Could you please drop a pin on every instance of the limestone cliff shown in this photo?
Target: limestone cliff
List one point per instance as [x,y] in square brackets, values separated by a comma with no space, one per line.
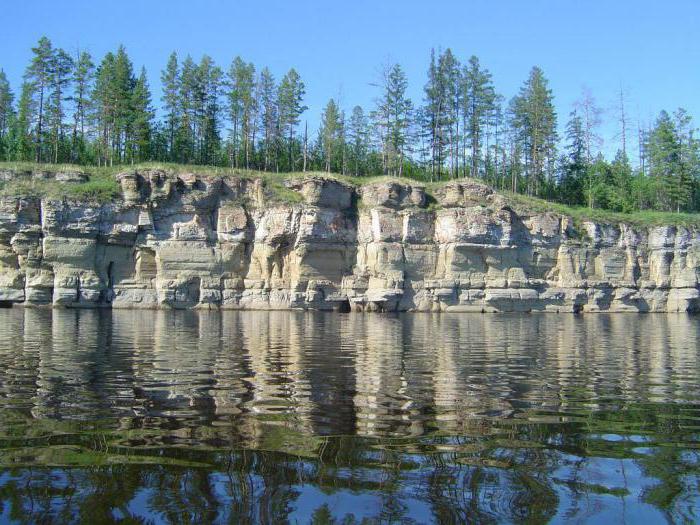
[188,240]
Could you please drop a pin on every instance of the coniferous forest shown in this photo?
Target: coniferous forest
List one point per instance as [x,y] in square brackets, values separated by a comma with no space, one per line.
[84,110]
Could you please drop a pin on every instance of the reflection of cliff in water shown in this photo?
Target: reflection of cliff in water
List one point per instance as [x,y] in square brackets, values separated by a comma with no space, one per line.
[252,415]
[330,374]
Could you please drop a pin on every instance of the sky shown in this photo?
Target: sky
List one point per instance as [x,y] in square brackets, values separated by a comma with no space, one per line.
[650,49]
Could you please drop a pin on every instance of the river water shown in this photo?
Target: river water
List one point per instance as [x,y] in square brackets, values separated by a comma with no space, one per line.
[279,417]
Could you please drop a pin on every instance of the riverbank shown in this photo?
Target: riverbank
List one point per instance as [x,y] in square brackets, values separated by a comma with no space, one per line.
[166,237]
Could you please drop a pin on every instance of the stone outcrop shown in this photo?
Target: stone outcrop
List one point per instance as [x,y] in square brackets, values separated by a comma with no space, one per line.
[195,241]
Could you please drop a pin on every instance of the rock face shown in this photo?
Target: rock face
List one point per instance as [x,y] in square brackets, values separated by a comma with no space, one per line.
[192,241]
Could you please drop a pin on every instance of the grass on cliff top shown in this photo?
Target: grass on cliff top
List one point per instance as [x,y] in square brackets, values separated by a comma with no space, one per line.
[102,186]
[580,214]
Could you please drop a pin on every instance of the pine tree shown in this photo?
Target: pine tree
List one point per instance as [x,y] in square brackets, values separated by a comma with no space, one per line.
[38,76]
[83,78]
[113,105]
[242,108]
[479,104]
[104,106]
[535,122]
[269,117]
[186,141]
[451,77]
[290,100]
[436,114]
[60,79]
[7,114]
[140,127]
[123,86]
[207,85]
[170,79]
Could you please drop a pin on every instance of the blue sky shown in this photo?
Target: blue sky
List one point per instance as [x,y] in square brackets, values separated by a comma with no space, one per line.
[651,48]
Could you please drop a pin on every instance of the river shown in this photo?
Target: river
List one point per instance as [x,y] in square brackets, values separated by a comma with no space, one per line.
[294,417]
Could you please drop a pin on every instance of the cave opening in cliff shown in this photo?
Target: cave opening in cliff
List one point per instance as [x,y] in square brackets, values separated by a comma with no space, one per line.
[343,307]
[6,304]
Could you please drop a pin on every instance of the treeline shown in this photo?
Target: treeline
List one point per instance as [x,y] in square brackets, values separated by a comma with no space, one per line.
[72,110]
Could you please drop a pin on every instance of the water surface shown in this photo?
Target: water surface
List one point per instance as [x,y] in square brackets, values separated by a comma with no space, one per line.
[278,417]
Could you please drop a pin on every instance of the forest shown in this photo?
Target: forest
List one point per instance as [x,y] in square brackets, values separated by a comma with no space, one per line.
[72,108]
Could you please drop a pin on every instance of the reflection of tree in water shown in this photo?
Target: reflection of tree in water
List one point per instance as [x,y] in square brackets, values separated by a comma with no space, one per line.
[471,479]
[201,417]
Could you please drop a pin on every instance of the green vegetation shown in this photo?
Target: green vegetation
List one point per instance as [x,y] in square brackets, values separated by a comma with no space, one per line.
[73,110]
[599,215]
[102,186]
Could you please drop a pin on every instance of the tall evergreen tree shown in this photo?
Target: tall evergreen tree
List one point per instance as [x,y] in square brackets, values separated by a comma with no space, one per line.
[141,117]
[242,107]
[291,106]
[207,85]
[574,165]
[435,117]
[22,147]
[392,118]
[673,159]
[330,135]
[269,117]
[113,102]
[186,135]
[61,77]
[83,78]
[6,115]
[38,77]
[451,77]
[170,80]
[535,121]
[359,138]
[479,104]
[664,156]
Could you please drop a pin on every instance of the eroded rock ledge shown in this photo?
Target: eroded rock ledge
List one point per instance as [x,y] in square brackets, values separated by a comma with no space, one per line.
[194,241]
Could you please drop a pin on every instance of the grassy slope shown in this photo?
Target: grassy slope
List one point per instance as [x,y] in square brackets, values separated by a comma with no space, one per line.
[102,186]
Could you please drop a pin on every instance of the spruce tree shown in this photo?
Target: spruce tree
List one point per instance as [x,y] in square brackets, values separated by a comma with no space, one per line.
[574,166]
[393,119]
[21,142]
[359,138]
[330,135]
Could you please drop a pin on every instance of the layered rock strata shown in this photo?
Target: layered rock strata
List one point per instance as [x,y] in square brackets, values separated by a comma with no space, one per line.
[195,241]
